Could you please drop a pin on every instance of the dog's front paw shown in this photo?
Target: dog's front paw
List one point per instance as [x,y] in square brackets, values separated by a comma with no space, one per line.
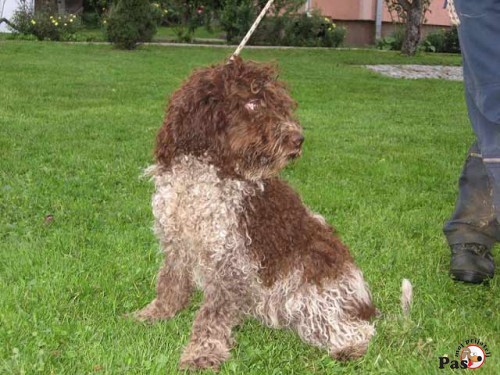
[197,357]
[200,363]
[151,313]
[349,353]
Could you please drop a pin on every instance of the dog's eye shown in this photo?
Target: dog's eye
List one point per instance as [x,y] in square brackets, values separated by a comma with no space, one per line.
[252,105]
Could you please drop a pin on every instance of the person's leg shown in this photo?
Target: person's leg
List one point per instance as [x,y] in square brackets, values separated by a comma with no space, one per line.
[479,34]
[474,219]
[471,232]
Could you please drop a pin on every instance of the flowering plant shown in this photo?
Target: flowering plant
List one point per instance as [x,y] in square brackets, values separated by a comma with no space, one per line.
[45,24]
[53,26]
[160,12]
[333,36]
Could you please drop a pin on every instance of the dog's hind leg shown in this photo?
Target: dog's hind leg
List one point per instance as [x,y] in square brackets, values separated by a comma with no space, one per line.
[345,337]
[173,291]
[336,316]
[211,338]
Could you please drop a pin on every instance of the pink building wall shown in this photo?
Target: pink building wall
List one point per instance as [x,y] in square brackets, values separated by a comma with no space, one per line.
[351,10]
[359,17]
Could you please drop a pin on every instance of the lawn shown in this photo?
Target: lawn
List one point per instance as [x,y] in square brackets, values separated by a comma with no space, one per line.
[77,125]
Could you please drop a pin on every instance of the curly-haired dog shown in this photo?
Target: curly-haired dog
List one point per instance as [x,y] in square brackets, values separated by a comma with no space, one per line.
[231,227]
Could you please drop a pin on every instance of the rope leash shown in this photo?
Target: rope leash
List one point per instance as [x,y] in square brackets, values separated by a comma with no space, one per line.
[251,31]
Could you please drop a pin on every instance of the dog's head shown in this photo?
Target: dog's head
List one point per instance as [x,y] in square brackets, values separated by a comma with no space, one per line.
[238,116]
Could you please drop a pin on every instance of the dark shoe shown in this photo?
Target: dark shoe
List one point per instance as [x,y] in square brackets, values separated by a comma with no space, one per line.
[471,263]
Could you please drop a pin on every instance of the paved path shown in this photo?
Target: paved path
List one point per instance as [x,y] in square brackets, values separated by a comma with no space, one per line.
[452,73]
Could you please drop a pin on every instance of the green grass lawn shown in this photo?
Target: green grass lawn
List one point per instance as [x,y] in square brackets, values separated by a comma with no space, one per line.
[77,126]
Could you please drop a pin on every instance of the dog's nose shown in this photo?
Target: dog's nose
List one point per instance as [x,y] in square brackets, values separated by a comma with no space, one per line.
[297,140]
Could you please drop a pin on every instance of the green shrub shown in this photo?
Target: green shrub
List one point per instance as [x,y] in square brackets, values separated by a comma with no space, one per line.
[334,36]
[94,12]
[433,42]
[271,32]
[394,41]
[444,40]
[91,19]
[160,12]
[236,18]
[187,15]
[45,24]
[130,22]
[281,26]
[313,30]
[21,19]
[306,30]
[51,26]
[451,42]
[303,30]
[184,34]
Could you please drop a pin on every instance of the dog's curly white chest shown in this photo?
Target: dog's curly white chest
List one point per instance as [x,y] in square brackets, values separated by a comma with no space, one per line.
[196,217]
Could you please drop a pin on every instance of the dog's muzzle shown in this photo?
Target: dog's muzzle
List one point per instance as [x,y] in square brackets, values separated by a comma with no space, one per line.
[294,139]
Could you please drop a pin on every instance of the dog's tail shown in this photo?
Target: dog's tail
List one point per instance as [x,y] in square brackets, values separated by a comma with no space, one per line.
[406,296]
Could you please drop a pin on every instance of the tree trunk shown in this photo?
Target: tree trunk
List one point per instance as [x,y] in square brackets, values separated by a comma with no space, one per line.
[61,6]
[413,28]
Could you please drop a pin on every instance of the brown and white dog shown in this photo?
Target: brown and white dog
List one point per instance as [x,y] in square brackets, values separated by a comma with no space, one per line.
[231,227]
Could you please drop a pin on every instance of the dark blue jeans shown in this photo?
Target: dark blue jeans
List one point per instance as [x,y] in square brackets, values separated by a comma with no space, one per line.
[477,211]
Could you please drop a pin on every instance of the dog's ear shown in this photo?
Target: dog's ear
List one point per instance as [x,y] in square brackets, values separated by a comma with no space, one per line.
[164,150]
[195,119]
[256,86]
